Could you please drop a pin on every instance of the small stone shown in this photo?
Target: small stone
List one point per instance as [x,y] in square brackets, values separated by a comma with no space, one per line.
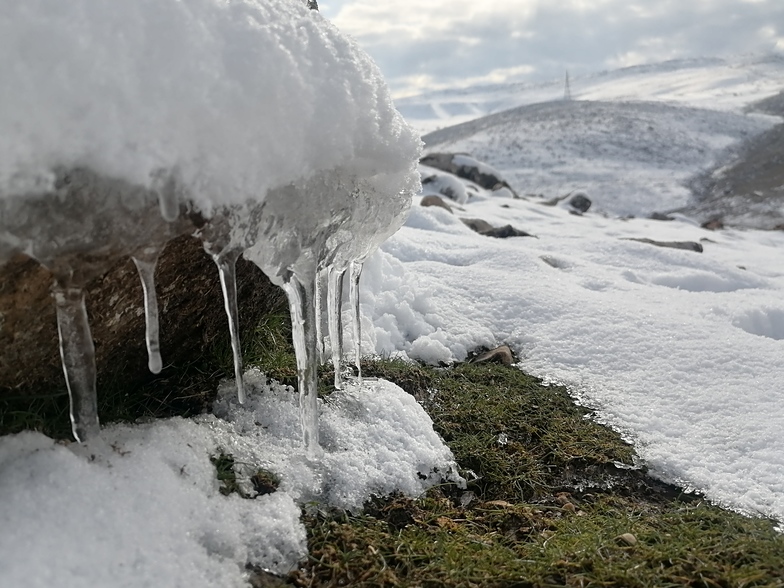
[433,200]
[580,202]
[626,539]
[713,224]
[467,498]
[686,245]
[502,355]
[505,232]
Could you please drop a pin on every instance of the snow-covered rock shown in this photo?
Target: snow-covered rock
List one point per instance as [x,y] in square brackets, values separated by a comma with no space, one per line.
[125,126]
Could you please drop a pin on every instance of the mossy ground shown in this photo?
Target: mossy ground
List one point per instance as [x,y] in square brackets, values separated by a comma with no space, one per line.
[553,498]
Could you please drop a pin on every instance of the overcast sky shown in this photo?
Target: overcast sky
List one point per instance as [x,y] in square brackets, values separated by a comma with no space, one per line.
[422,45]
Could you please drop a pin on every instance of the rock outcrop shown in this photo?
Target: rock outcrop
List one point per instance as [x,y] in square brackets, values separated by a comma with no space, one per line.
[193,323]
[468,168]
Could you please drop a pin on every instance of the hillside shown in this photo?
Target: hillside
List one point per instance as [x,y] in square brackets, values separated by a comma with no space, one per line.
[630,157]
[746,187]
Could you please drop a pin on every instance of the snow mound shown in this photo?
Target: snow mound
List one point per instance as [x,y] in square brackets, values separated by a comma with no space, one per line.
[376,439]
[143,507]
[238,97]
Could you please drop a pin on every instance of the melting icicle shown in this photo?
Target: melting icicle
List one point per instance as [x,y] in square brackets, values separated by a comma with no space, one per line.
[168,200]
[146,269]
[301,294]
[334,304]
[227,263]
[78,356]
[356,273]
[320,293]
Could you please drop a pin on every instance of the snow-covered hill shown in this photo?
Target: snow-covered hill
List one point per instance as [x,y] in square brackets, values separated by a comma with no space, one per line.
[725,84]
[631,157]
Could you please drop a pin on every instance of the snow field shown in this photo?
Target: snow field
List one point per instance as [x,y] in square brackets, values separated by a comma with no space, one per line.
[680,351]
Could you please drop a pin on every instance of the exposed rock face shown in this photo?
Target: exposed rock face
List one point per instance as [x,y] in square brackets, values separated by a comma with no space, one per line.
[577,203]
[747,189]
[192,319]
[467,168]
[505,232]
[477,224]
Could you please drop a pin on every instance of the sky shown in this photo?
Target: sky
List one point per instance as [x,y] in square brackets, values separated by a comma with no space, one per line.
[422,46]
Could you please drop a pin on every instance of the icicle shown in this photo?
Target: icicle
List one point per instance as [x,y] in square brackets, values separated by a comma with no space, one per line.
[227,263]
[78,356]
[167,197]
[301,294]
[356,273]
[146,269]
[334,304]
[320,293]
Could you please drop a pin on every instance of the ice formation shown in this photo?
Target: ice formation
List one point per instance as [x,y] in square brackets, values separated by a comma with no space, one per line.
[259,119]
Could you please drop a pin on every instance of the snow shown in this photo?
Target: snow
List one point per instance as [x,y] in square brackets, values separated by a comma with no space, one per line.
[237,97]
[680,351]
[142,506]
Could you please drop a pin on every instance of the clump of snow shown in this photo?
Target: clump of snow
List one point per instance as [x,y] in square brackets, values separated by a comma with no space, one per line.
[376,439]
[143,507]
[237,97]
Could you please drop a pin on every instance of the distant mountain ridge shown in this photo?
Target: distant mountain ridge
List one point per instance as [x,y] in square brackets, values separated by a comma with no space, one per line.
[718,83]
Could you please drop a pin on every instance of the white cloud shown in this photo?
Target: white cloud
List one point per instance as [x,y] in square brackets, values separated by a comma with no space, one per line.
[421,45]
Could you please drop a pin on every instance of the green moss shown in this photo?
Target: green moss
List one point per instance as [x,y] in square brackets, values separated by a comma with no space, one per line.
[520,438]
[604,541]
[549,507]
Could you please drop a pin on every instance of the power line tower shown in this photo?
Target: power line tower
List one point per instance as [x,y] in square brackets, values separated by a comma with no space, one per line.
[567,89]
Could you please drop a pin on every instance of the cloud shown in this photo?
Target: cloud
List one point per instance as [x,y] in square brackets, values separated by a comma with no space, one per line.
[420,45]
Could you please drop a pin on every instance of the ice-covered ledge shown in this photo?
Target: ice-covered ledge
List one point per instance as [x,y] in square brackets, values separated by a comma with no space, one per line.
[260,119]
